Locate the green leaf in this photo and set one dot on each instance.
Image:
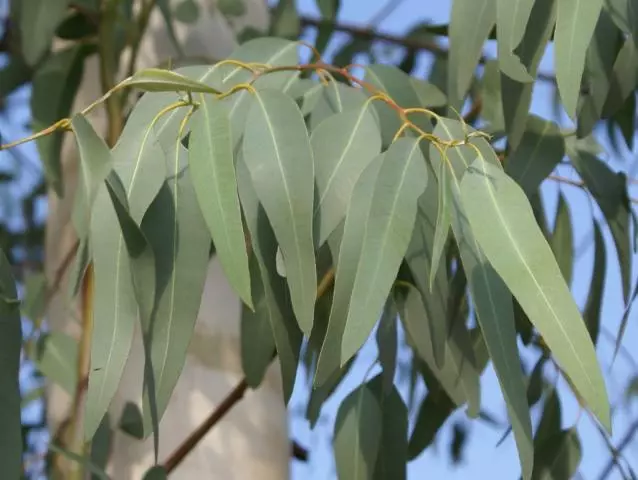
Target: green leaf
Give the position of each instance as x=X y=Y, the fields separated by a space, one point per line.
x=387 y=343
x=457 y=375
x=575 y=24
x=34 y=302
x=131 y=421
x=13 y=75
x=540 y=150
x=213 y=173
x=517 y=96
x=393 y=447
x=343 y=145
x=285 y=21
x=95 y=164
x=101 y=445
x=187 y=11
x=625 y=14
x=442 y=221
x=357 y=435
x=559 y=456
x=329 y=8
x=231 y=8
x=277 y=152
x=433 y=412
x=270 y=293
x=159 y=80
x=57 y=360
x=470 y=25
x=76 y=26
x=54 y=87
x=10 y=346
x=503 y=222
x=593 y=308
x=624 y=77
x=610 y=192
x=38 y=22
x=335 y=97
x=348 y=258
x=156 y=472
x=562 y=241
x=492 y=96
x=83 y=461
x=429 y=94
x=491 y=299
x=511 y=19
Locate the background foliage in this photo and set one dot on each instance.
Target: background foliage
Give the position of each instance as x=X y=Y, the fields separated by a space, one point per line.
x=442 y=248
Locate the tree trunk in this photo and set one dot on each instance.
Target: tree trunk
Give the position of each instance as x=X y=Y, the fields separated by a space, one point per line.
x=252 y=440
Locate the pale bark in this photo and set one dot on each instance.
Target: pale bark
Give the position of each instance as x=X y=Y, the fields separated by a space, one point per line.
x=252 y=440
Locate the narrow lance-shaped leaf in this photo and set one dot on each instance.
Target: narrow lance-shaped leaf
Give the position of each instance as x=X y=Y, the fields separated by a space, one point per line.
x=343 y=146
x=271 y=297
x=511 y=19
x=10 y=346
x=388 y=230
x=56 y=359
x=491 y=299
x=575 y=24
x=442 y=221
x=277 y=152
x=212 y=170
x=591 y=315
x=159 y=80
x=387 y=343
x=350 y=248
x=357 y=435
x=558 y=456
x=503 y=222
x=38 y=21
x=562 y=241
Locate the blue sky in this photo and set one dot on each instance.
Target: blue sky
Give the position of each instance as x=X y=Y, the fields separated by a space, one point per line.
x=481 y=453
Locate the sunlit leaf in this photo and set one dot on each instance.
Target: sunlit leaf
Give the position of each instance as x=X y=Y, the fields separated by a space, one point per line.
x=277 y=152
x=575 y=24
x=357 y=435
x=503 y=223
x=213 y=173
x=343 y=146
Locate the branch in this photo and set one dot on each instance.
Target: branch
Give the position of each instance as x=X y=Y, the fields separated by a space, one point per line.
x=623 y=443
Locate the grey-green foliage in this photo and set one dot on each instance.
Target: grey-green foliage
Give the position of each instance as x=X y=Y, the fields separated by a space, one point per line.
x=329 y=217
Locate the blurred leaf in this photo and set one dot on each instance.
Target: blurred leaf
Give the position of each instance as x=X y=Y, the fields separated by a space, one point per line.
x=76 y=26
x=517 y=96
x=186 y=11
x=277 y=152
x=319 y=395
x=56 y=359
x=503 y=222
x=511 y=19
x=631 y=390
x=101 y=445
x=38 y=22
x=492 y=96
x=393 y=447
x=156 y=472
x=329 y=8
x=131 y=421
x=470 y=25
x=433 y=412
x=610 y=192
x=625 y=119
x=13 y=75
x=458 y=443
x=625 y=14
x=357 y=435
x=231 y=8
x=559 y=456
x=489 y=293
x=535 y=383
x=541 y=148
x=562 y=241
x=54 y=87
x=167 y=15
x=34 y=302
x=10 y=346
x=285 y=20
x=575 y=24
x=387 y=344
x=624 y=78
x=270 y=292
x=213 y=173
x=593 y=308
x=551 y=419
x=343 y=145
x=83 y=461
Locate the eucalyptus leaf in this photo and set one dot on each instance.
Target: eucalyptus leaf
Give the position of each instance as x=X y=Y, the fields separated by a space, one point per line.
x=593 y=307
x=56 y=359
x=387 y=343
x=511 y=19
x=562 y=241
x=38 y=22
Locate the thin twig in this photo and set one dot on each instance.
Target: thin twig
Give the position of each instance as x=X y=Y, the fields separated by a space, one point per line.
x=621 y=446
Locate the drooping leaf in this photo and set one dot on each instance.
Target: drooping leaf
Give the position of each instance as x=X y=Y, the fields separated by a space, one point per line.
x=156 y=472
x=492 y=96
x=271 y=298
x=54 y=87
x=511 y=19
x=277 y=152
x=491 y=299
x=562 y=241
x=343 y=146
x=559 y=456
x=131 y=421
x=393 y=447
x=470 y=25
x=57 y=360
x=624 y=77
x=609 y=190
x=503 y=222
x=101 y=445
x=348 y=258
x=38 y=22
x=517 y=96
x=285 y=21
x=387 y=343
x=213 y=173
x=575 y=24
x=625 y=14
x=10 y=345
x=541 y=148
x=442 y=221
x=433 y=412
x=357 y=435
x=35 y=293
x=592 y=311
x=160 y=80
